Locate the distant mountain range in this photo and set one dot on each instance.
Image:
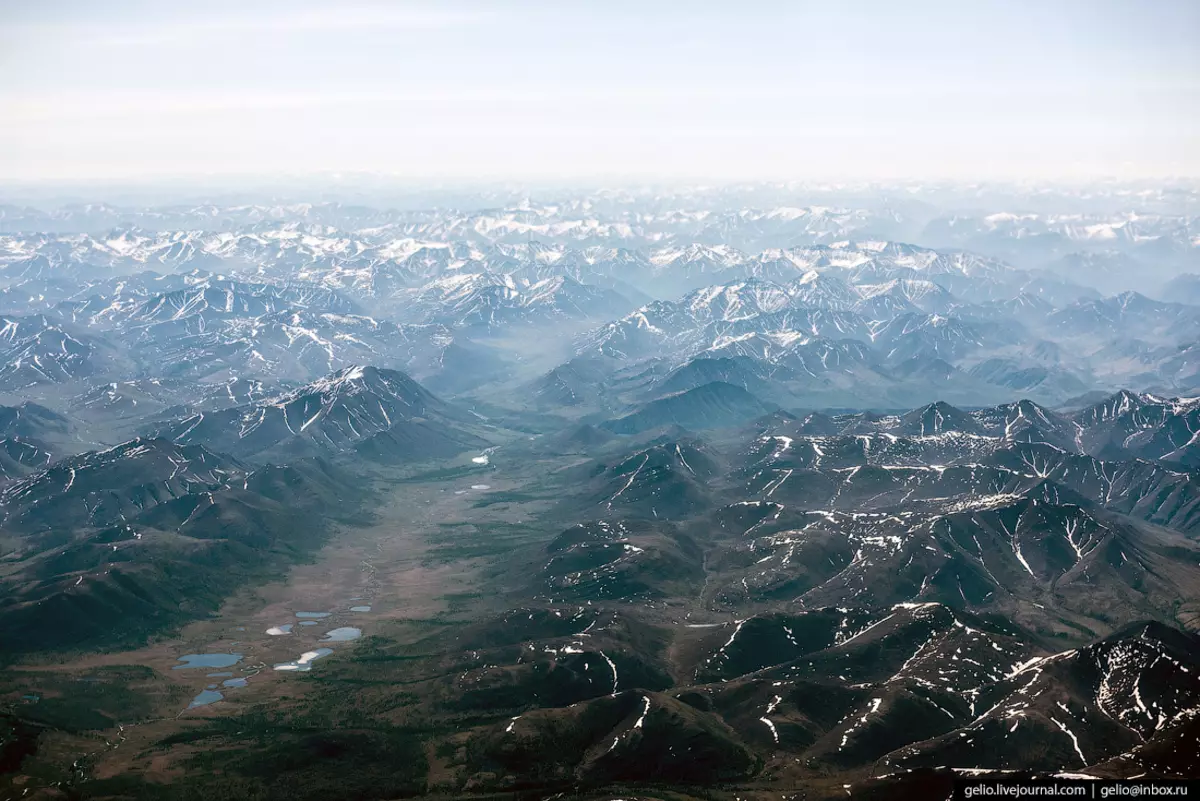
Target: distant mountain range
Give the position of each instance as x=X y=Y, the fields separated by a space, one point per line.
x=382 y=413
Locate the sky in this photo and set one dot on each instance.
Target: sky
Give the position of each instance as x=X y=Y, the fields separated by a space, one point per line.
x=840 y=89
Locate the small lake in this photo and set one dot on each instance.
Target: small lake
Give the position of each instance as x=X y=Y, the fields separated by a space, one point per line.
x=313 y=615
x=207 y=661
x=205 y=698
x=305 y=661
x=276 y=631
x=234 y=683
x=308 y=622
x=360 y=609
x=342 y=634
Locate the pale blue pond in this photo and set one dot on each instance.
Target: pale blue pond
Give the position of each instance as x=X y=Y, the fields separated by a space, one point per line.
x=360 y=609
x=205 y=698
x=207 y=661
x=313 y=615
x=308 y=622
x=304 y=663
x=234 y=683
x=343 y=634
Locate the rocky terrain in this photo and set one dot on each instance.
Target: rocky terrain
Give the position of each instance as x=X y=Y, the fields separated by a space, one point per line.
x=701 y=495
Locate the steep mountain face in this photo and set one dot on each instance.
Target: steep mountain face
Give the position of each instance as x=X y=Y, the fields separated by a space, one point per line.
x=1182 y=369
x=826 y=291
x=31 y=436
x=1143 y=426
x=96 y=301
x=740 y=371
x=669 y=478
x=920 y=335
x=1025 y=307
x=677 y=270
x=938 y=418
x=1129 y=314
x=113 y=545
x=573 y=383
x=300 y=345
x=1079 y=708
x=629 y=559
x=20 y=457
x=32 y=421
x=101 y=487
x=712 y=405
x=881 y=301
x=1182 y=289
x=562 y=296
x=139 y=400
x=383 y=413
x=39 y=350
x=1021 y=378
x=487 y=301
x=203 y=303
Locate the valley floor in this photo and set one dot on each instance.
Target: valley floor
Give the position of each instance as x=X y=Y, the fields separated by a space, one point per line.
x=401 y=577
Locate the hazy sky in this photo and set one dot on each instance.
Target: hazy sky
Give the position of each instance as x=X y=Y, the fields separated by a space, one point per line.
x=684 y=89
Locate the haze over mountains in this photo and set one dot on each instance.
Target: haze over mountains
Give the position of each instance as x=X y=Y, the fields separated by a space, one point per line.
x=754 y=489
